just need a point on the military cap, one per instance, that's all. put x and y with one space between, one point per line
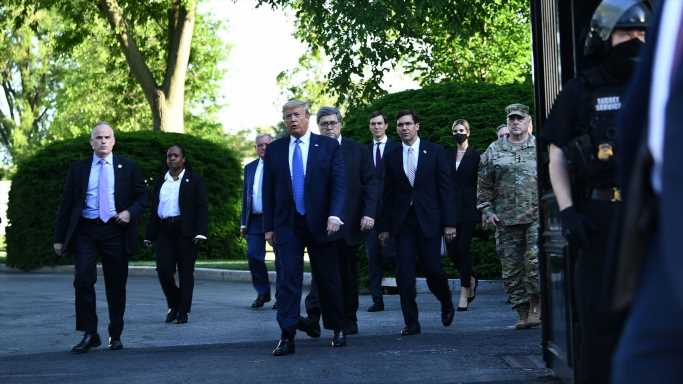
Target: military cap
517 109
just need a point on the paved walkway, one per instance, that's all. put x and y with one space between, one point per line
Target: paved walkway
227 342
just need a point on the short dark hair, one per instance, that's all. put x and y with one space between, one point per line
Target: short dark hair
406 112
378 113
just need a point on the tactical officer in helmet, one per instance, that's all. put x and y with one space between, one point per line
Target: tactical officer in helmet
581 133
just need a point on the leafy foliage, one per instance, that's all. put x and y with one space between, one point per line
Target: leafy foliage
31 209
456 40
482 104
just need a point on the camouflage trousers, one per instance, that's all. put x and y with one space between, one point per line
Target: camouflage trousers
517 248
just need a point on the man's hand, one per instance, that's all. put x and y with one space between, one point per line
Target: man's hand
491 219
367 223
332 226
59 248
270 238
383 237
243 231
449 233
122 217
147 243
576 227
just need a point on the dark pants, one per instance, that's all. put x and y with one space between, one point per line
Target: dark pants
459 251
412 245
325 265
377 255
256 255
650 350
599 327
348 269
95 238
175 250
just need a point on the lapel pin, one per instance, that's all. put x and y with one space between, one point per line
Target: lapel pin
120 166
424 151
187 180
315 145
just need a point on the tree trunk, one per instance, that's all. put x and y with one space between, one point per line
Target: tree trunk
167 102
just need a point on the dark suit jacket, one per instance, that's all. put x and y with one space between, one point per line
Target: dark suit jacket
324 188
362 190
248 192
465 184
390 146
194 207
129 194
431 193
632 135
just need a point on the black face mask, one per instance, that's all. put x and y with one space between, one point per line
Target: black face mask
460 138
622 59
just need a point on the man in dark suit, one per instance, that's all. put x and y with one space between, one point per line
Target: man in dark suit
303 207
103 198
377 253
251 223
649 141
359 217
417 211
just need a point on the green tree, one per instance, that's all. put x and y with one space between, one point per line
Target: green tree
148 33
98 84
307 81
29 75
474 40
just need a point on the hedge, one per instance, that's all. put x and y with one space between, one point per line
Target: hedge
38 183
483 105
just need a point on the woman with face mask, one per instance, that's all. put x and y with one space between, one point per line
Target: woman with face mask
464 166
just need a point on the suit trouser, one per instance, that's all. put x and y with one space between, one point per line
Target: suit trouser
650 349
325 265
93 238
348 269
412 245
173 249
256 255
377 253
459 251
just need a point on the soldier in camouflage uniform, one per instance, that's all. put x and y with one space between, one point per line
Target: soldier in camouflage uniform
507 196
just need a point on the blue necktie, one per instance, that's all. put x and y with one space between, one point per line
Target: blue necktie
298 178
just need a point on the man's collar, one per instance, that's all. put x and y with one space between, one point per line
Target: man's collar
415 145
109 159
339 139
383 140
304 139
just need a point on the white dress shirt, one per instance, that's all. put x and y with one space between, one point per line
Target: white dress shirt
382 143
416 155
256 198
661 86
168 196
91 210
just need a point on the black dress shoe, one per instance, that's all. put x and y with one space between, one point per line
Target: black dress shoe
474 290
171 315
376 307
447 314
284 347
89 340
310 326
182 318
339 339
462 309
260 300
410 330
351 328
115 344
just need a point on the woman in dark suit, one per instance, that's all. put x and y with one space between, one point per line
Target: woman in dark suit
464 167
178 223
